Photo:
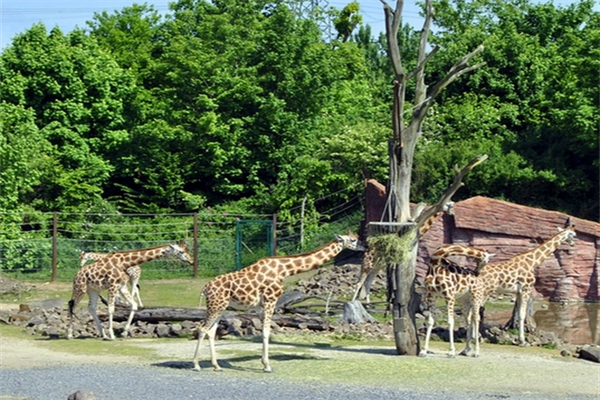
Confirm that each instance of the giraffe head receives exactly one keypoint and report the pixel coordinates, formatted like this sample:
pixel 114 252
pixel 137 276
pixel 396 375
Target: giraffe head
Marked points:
pixel 567 234
pixel 83 258
pixel 484 260
pixel 448 208
pixel 350 242
pixel 180 251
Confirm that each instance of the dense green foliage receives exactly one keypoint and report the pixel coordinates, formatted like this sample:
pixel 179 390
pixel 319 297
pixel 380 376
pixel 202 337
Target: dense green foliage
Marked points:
pixel 244 104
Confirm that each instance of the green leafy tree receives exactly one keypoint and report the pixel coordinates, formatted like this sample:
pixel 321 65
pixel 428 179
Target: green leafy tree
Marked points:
pixel 76 93
pixel 535 103
pixel 236 94
pixel 24 157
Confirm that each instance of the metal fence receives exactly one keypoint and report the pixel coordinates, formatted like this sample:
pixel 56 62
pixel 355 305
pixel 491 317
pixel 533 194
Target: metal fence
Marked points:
pixel 50 243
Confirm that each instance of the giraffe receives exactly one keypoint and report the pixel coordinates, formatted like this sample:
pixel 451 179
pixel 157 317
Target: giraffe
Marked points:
pixel 517 276
pixel 450 281
pixel 134 273
pixel 368 269
pixel 110 273
pixel 261 282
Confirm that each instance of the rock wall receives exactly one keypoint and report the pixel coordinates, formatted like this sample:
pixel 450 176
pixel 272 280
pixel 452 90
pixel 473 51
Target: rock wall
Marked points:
pixel 507 229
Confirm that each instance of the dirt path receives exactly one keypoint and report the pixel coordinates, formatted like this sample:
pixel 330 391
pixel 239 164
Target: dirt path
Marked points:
pixel 507 371
pixel 500 369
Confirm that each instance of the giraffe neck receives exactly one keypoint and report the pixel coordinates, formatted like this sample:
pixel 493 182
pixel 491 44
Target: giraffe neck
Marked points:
pixel 543 251
pixel 458 250
pixel 131 258
pixel 305 262
pixel 438 258
pixel 429 223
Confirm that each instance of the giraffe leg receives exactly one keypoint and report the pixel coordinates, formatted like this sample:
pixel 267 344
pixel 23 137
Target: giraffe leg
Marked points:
pixel 475 318
pixel 112 294
pixel 452 349
pixel 129 298
pixel 209 329
pixel 367 285
pixel 430 322
pixel 201 334
pixel 523 300
pixel 468 310
pixel 135 287
pixel 212 333
pixel 92 308
pixel 269 309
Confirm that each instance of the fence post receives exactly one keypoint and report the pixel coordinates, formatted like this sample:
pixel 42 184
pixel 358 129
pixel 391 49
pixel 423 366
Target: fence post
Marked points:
pixel 195 245
pixel 274 240
pixel 54 245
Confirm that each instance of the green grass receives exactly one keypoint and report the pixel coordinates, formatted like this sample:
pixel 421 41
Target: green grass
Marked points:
pixel 174 292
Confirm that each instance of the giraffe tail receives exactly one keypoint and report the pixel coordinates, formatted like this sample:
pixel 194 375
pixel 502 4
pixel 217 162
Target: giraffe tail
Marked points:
pixel 71 306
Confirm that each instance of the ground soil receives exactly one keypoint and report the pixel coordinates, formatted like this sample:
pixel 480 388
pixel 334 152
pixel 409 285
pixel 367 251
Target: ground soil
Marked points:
pixel 531 370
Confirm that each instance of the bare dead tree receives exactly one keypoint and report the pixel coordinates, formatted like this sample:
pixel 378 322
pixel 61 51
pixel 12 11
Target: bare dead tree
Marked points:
pixel 401 153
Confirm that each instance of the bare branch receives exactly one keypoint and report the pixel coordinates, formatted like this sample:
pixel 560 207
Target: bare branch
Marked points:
pixel 456 184
pixel 392 24
pixel 421 88
pixel 422 64
pixel 457 69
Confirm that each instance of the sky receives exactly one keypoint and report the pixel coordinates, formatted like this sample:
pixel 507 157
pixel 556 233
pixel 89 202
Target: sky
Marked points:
pixel 17 16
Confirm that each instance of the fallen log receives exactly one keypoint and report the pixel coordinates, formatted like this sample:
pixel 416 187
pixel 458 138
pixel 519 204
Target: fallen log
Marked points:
pixel 160 314
pixel 155 315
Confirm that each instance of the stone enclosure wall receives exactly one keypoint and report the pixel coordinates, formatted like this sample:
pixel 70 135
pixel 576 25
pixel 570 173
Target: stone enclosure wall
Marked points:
pixel 507 229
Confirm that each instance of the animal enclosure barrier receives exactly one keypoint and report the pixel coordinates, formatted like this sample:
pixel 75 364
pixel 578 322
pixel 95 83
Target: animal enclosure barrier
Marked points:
pixel 254 239
pixel 48 245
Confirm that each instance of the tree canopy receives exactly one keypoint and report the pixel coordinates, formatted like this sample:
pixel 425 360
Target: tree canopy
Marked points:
pixel 249 104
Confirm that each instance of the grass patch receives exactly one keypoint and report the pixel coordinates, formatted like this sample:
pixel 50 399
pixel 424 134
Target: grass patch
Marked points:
pixel 173 292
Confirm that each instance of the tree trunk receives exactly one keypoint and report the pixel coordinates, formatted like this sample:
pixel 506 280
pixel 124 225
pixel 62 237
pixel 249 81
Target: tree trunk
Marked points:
pixel 405 303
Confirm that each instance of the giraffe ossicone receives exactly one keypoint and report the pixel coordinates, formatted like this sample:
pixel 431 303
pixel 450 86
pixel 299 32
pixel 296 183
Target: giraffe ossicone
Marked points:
pixel 110 273
pixel 260 284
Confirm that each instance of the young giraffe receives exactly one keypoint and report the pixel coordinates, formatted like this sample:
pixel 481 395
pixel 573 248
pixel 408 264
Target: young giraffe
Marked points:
pixel 517 276
pixel 109 273
pixel 134 273
pixel 261 282
pixel 368 270
pixel 450 281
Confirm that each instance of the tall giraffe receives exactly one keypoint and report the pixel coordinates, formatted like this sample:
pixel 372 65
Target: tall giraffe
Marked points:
pixel 368 269
pixel 134 273
pixel 261 282
pixel 450 281
pixel 516 276
pixel 109 273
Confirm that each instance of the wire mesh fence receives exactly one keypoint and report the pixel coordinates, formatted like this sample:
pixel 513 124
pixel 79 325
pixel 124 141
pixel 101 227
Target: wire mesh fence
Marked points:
pixel 47 246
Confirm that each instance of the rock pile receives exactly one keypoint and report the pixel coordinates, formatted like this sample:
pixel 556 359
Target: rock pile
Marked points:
pixel 331 284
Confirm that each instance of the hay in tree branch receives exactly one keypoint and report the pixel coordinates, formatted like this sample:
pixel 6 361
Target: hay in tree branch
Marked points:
pixel 391 248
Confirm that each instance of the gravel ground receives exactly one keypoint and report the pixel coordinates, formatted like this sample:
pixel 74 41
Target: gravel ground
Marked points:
pixel 30 370
pixel 154 382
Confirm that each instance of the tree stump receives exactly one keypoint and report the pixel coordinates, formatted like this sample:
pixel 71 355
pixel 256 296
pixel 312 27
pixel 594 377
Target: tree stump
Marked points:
pixel 355 313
